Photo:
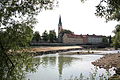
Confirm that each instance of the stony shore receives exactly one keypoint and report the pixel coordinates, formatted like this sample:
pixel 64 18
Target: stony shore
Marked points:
pixel 108 61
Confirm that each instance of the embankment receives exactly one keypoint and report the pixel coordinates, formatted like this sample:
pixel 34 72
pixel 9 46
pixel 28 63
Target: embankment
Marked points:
pixel 49 50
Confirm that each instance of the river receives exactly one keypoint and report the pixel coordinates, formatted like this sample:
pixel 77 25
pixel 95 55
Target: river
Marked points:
pixel 61 67
pixel 52 67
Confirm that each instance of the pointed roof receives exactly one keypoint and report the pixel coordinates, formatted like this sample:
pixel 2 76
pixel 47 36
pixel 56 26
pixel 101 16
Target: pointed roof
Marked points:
pixel 60 22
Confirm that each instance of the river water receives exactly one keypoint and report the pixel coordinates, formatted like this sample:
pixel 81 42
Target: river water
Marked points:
pixel 61 67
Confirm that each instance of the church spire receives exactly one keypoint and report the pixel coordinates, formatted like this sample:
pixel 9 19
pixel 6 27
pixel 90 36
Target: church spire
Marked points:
pixel 60 22
pixel 60 29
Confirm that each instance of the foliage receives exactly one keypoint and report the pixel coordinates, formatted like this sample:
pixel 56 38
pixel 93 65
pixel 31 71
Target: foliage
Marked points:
pixel 45 36
pixel 110 39
pixel 23 62
pixel 11 9
pixel 116 38
pixel 109 9
pixel 52 35
pixel 117 29
pixel 105 40
pixel 36 36
pixel 17 20
pixel 16 36
pixel 66 32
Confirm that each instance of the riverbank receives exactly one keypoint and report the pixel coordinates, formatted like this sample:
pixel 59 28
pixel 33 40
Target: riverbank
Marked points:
pixel 67 50
pixel 49 50
pixel 82 52
pixel 108 61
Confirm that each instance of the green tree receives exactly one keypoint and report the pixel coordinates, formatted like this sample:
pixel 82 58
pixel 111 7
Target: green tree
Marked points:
pixel 24 63
pixel 17 18
pixel 36 36
pixel 117 29
pixel 110 40
pixel 66 31
pixel 60 35
pixel 116 38
pixel 45 36
pixel 52 35
pixel 109 9
pixel 105 40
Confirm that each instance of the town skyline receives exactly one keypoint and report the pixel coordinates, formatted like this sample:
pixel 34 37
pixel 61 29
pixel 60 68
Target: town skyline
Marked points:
pixel 79 18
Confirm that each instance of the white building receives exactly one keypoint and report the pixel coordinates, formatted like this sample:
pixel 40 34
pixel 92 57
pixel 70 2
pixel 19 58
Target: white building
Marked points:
pixel 95 39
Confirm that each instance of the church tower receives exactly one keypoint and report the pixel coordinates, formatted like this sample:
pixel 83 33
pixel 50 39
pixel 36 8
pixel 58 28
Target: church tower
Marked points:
pixel 59 25
pixel 60 29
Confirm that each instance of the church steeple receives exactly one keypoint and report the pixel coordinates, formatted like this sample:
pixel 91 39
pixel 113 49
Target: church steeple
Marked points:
pixel 59 25
pixel 60 22
pixel 60 29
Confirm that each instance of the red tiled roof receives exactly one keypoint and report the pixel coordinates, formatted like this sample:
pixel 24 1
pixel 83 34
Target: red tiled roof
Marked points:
pixel 82 36
pixel 74 36
pixel 95 36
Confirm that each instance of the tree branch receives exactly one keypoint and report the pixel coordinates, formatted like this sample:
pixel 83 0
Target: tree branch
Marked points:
pixel 6 56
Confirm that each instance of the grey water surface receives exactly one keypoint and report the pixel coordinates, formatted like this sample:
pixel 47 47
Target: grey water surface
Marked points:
pixel 61 67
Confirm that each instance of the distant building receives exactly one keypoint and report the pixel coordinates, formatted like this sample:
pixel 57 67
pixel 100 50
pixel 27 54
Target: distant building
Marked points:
pixel 77 39
pixel 82 39
pixel 95 39
pixel 72 38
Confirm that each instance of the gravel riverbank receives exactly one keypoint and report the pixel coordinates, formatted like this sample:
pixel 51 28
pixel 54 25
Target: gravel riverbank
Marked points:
pixel 108 61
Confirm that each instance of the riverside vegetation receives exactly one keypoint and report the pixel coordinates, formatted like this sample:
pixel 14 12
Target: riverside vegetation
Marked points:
pixel 17 19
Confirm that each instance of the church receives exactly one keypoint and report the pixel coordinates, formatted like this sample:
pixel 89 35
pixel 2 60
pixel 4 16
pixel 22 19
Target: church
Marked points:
pixel 77 39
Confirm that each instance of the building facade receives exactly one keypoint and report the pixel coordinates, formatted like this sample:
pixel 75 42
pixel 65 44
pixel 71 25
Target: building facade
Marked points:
pixel 82 39
pixel 95 39
pixel 72 39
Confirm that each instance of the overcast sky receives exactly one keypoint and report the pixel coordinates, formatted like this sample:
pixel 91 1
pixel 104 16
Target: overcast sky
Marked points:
pixel 77 17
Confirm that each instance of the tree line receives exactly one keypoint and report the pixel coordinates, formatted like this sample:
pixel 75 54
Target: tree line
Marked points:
pixel 48 37
pixel 45 37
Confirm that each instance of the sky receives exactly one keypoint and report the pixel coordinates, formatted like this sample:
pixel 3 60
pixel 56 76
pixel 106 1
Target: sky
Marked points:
pixel 77 17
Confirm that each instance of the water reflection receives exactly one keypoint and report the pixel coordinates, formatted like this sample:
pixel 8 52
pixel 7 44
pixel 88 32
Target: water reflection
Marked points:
pixel 64 62
pixel 60 61
pixel 60 67
pixel 23 63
